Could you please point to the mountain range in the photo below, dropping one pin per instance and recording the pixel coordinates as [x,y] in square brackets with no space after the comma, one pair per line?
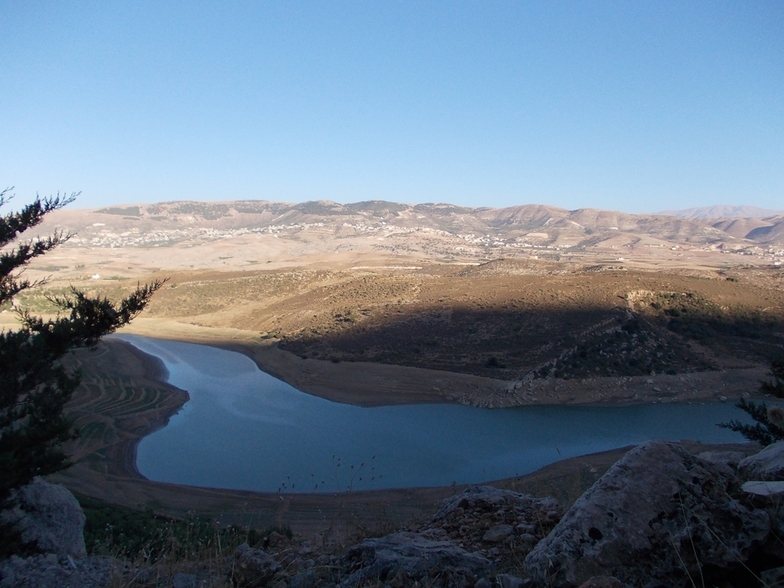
[723,211]
[547,225]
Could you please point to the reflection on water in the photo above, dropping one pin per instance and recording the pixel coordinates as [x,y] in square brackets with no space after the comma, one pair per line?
[244,429]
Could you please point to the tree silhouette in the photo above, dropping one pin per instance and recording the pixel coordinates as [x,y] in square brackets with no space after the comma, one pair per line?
[768,424]
[34,385]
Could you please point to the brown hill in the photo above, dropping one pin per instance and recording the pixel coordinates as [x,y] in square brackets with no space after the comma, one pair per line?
[723,211]
[580,225]
[242,235]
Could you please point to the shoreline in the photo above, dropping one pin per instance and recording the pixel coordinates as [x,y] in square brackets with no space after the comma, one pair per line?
[114,478]
[155,369]
[375,384]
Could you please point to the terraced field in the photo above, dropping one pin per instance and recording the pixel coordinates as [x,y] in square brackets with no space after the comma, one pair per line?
[118,401]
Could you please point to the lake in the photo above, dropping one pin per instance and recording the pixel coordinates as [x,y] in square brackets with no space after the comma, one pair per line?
[243,429]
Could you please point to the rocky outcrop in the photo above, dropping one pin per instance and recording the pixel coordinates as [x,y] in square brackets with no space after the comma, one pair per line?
[659,515]
[254,567]
[602,582]
[768,464]
[51,571]
[472,534]
[499,524]
[48,517]
[404,558]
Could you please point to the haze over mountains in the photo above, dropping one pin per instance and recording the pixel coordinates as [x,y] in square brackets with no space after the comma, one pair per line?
[246,235]
[545,225]
[723,211]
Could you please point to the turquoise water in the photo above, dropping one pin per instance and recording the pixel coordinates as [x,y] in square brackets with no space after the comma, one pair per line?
[245,430]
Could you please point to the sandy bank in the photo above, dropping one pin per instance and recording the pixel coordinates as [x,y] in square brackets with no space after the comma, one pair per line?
[359,383]
[372,384]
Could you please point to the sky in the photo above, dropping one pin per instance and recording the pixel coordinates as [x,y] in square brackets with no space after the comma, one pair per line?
[631,106]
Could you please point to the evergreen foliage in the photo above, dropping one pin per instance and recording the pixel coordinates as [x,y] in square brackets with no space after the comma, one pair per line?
[775,388]
[34,386]
[768,424]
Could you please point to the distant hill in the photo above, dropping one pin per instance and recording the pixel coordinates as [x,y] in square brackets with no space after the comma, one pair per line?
[722,211]
[178,222]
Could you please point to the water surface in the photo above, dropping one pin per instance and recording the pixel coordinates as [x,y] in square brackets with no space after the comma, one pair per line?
[243,429]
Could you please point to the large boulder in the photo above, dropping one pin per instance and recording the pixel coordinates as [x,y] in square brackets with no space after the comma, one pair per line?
[403,558]
[48,517]
[501,525]
[254,567]
[768,464]
[52,571]
[657,517]
[479,500]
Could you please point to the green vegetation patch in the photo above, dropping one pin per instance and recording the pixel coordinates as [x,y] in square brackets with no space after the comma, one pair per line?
[634,349]
[122,211]
[735,329]
[121,531]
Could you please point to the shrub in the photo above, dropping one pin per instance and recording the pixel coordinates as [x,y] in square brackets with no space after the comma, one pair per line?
[34,386]
[768,424]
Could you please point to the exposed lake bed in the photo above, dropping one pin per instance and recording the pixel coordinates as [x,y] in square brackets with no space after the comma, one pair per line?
[245,430]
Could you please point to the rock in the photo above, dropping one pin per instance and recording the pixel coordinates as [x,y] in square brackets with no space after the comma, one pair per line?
[140,576]
[762,488]
[659,512]
[726,461]
[728,458]
[254,566]
[415,556]
[773,578]
[276,541]
[49,517]
[184,581]
[497,533]
[303,580]
[528,538]
[488,498]
[602,582]
[41,571]
[510,581]
[499,524]
[768,464]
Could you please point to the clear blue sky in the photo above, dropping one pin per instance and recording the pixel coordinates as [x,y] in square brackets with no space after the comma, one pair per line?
[634,106]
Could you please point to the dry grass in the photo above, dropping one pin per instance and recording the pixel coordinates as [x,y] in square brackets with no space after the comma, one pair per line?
[498,321]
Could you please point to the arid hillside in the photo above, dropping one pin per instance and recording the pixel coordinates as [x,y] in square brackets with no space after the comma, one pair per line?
[377,303]
[508,294]
[131,241]
[508,319]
